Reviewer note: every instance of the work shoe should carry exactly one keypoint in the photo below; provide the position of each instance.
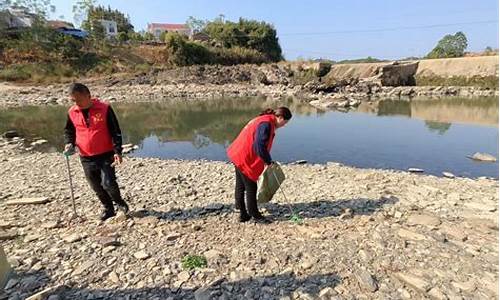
(123, 207)
(106, 214)
(244, 218)
(262, 220)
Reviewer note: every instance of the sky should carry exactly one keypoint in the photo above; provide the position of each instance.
(335, 29)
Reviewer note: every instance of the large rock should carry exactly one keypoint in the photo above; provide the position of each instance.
(483, 157)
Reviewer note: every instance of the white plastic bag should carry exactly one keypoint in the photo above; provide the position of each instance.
(267, 185)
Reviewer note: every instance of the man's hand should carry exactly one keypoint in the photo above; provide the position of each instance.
(69, 149)
(117, 160)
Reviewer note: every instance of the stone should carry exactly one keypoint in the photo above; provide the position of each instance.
(436, 293)
(39, 142)
(327, 292)
(202, 294)
(109, 241)
(10, 134)
(173, 236)
(212, 254)
(50, 225)
(11, 283)
(114, 277)
(27, 201)
(74, 237)
(411, 235)
(423, 219)
(184, 276)
(214, 206)
(142, 255)
(82, 268)
(415, 282)
(448, 175)
(483, 157)
(366, 281)
(8, 235)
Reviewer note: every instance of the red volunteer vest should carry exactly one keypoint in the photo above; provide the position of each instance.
(94, 139)
(241, 152)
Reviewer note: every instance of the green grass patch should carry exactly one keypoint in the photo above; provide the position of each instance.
(190, 262)
(296, 219)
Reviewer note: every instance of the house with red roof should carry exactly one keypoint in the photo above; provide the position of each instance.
(158, 28)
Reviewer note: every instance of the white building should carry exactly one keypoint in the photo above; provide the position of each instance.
(110, 28)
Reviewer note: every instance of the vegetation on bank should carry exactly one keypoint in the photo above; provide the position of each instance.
(41, 54)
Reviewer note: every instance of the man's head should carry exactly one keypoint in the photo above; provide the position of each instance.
(80, 94)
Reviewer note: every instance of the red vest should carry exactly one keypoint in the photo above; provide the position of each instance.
(94, 139)
(241, 151)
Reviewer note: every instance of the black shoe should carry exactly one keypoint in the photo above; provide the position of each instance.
(106, 214)
(244, 218)
(123, 207)
(262, 220)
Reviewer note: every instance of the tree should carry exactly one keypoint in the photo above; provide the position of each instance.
(196, 25)
(250, 34)
(163, 36)
(148, 36)
(41, 8)
(123, 37)
(97, 13)
(450, 46)
(81, 9)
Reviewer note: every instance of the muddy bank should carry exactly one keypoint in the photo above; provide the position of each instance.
(366, 234)
(270, 81)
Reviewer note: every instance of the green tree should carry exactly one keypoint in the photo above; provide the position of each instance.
(123, 37)
(97, 13)
(163, 36)
(450, 46)
(42, 8)
(148, 36)
(250, 34)
(81, 9)
(196, 25)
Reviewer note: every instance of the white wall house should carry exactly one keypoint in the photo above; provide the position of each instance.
(110, 28)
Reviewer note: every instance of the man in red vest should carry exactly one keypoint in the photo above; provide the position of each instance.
(250, 154)
(92, 127)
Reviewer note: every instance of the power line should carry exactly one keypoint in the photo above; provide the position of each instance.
(388, 29)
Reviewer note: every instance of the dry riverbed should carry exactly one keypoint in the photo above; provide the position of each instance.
(367, 234)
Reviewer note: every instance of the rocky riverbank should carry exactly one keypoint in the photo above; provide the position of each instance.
(366, 234)
(206, 82)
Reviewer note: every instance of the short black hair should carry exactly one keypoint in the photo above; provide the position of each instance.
(79, 88)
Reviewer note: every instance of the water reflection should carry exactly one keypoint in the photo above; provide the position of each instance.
(435, 135)
(479, 111)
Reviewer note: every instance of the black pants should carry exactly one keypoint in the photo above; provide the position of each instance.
(102, 179)
(246, 186)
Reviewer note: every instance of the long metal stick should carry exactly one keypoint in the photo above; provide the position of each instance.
(284, 196)
(71, 186)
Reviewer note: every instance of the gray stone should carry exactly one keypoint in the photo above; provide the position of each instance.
(416, 282)
(366, 281)
(483, 157)
(202, 294)
(448, 175)
(142, 255)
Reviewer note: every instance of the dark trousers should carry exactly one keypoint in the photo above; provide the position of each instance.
(246, 186)
(102, 179)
